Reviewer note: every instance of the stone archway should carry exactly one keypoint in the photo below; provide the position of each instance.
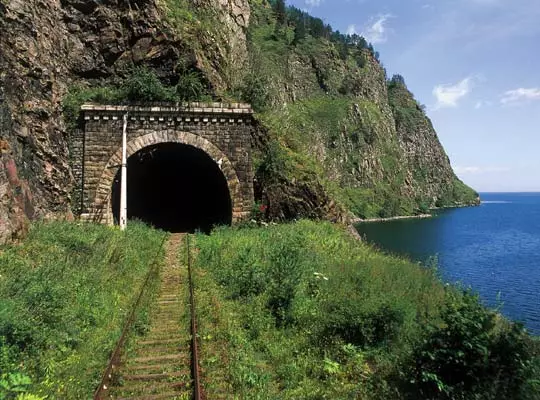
(104, 213)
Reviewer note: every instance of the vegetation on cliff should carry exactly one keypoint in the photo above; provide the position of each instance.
(323, 97)
(334, 135)
(349, 142)
(64, 296)
(303, 311)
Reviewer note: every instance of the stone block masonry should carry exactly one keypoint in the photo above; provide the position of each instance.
(222, 130)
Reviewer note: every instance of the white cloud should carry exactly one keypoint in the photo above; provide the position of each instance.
(376, 31)
(482, 104)
(520, 95)
(472, 170)
(484, 2)
(351, 30)
(313, 3)
(449, 95)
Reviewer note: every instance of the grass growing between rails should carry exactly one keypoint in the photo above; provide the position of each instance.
(64, 295)
(303, 311)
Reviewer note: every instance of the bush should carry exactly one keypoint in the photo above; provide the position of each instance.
(64, 295)
(255, 92)
(307, 312)
(141, 85)
(190, 87)
(470, 354)
(531, 372)
(144, 86)
(284, 275)
(78, 95)
(347, 320)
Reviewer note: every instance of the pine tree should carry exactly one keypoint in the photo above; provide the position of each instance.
(281, 13)
(343, 50)
(299, 32)
(398, 80)
(317, 27)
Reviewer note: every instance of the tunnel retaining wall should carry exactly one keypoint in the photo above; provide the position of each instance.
(223, 131)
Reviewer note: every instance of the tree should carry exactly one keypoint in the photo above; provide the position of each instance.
(281, 13)
(299, 31)
(343, 50)
(295, 15)
(317, 28)
(361, 43)
(397, 80)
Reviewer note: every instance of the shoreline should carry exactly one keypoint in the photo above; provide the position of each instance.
(400, 217)
(358, 220)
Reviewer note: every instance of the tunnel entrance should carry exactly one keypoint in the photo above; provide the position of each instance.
(175, 187)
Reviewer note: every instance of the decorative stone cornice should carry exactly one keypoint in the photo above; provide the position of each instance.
(180, 112)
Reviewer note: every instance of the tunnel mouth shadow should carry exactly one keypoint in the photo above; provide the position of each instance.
(174, 187)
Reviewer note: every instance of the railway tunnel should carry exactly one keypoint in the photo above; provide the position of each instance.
(175, 187)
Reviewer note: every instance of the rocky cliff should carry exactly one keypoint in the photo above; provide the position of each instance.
(333, 134)
(339, 124)
(46, 47)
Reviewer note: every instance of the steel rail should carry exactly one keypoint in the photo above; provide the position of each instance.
(195, 373)
(114, 361)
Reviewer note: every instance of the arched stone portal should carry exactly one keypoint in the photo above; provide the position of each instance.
(214, 141)
(174, 187)
(207, 163)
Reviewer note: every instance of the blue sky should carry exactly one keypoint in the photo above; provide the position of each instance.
(475, 64)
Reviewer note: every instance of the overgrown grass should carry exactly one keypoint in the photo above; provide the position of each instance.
(303, 311)
(64, 295)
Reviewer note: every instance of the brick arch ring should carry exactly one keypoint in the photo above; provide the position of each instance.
(102, 200)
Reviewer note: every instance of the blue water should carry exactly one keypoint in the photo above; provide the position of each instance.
(493, 248)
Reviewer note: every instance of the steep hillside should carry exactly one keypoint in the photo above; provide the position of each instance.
(326, 101)
(49, 48)
(332, 136)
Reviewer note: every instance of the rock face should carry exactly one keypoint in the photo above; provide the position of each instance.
(16, 203)
(429, 173)
(371, 145)
(47, 46)
(223, 52)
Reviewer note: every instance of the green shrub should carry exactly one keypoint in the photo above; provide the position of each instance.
(284, 275)
(64, 295)
(143, 85)
(190, 86)
(12, 385)
(347, 321)
(531, 372)
(469, 354)
(78, 95)
(317, 314)
(255, 91)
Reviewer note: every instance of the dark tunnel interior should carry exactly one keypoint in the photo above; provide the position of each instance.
(175, 187)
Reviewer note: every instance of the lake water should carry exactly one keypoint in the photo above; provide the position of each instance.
(493, 248)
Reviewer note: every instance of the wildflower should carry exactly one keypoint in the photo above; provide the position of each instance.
(318, 275)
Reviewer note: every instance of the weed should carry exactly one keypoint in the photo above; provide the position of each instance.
(304, 311)
(64, 296)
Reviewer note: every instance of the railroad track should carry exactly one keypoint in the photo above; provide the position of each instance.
(163, 364)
